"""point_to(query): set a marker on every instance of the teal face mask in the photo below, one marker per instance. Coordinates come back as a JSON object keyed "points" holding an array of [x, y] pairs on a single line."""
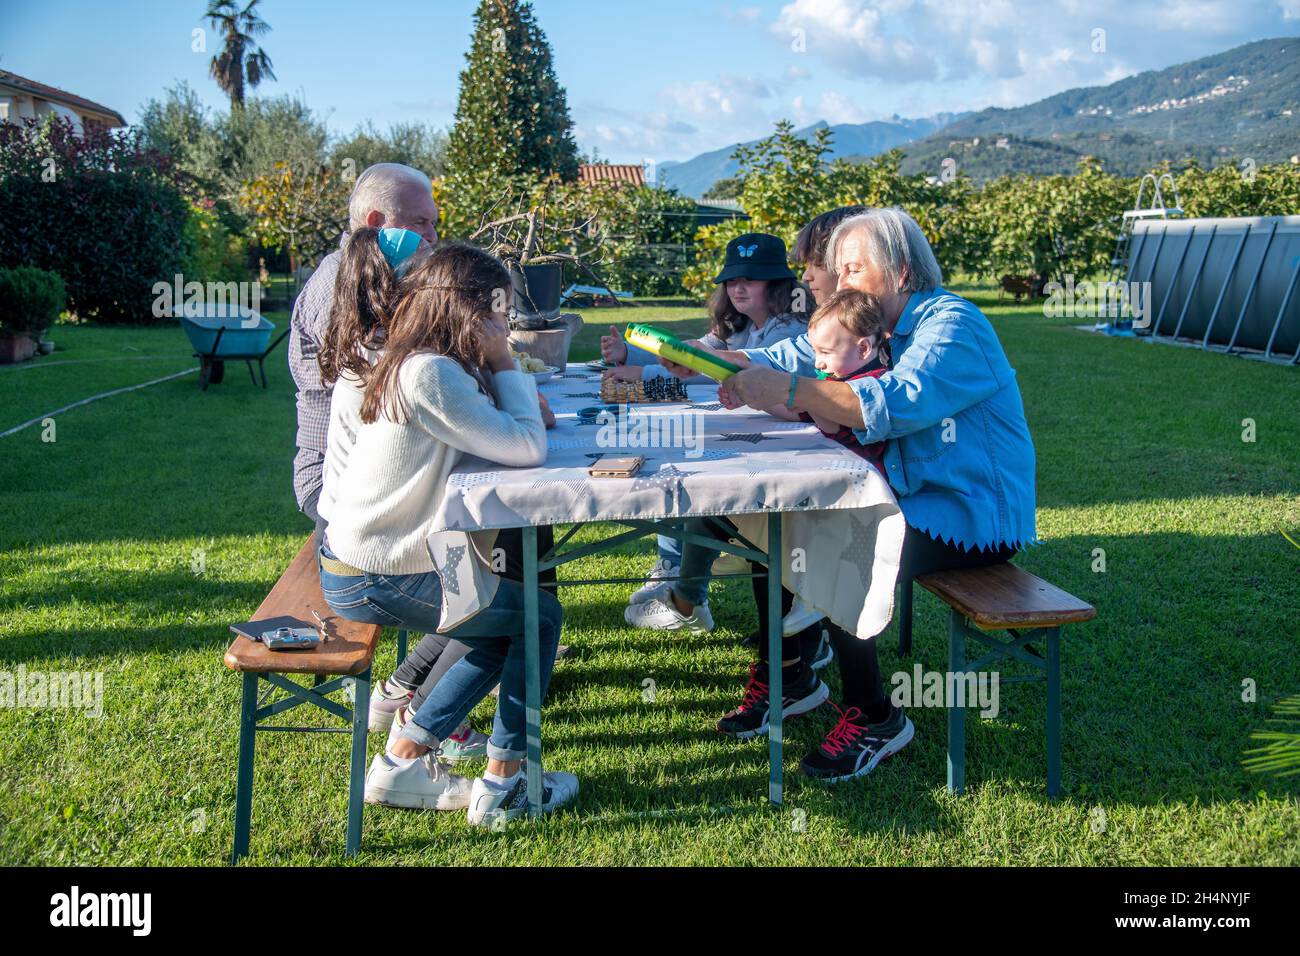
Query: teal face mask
{"points": [[398, 245]]}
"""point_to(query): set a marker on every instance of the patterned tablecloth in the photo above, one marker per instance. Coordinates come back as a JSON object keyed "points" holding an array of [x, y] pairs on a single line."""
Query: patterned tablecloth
{"points": [[841, 526]]}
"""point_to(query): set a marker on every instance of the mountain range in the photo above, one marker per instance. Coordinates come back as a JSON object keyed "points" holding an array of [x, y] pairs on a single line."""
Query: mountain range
{"points": [[694, 176], [1227, 107]]}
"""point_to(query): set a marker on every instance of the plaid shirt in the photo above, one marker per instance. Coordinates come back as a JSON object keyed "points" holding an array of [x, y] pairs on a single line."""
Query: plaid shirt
{"points": [[311, 313]]}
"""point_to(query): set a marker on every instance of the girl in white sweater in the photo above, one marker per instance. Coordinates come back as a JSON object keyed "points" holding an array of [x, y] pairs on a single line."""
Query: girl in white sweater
{"points": [[445, 385]]}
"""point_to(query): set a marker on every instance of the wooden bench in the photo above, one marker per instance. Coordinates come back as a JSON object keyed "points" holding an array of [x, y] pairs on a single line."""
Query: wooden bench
{"points": [[345, 656], [1003, 597]]}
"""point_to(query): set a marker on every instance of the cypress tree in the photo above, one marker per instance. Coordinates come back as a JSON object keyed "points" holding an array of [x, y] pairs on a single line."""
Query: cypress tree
{"points": [[512, 117]]}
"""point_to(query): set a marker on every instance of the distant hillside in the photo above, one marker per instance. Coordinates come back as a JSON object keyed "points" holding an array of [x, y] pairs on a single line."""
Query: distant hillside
{"points": [[1221, 108], [694, 176]]}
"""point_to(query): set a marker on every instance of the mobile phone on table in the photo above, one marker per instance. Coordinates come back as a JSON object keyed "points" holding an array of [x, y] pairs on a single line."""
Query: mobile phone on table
{"points": [[613, 466]]}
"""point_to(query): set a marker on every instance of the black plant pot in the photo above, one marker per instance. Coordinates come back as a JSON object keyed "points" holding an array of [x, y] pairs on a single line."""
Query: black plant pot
{"points": [[537, 289]]}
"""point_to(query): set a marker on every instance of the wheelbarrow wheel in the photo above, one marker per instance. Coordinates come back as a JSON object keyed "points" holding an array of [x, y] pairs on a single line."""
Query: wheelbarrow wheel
{"points": [[210, 371]]}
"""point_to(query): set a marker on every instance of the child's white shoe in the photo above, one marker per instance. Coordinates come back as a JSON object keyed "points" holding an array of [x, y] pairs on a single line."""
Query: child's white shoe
{"points": [[658, 614], [493, 805], [800, 618], [655, 581], [422, 784]]}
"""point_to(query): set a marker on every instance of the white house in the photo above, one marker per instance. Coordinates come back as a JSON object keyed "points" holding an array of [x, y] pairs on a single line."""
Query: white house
{"points": [[21, 98]]}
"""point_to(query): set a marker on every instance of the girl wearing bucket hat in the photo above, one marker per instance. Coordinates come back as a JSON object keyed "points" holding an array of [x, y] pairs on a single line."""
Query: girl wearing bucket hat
{"points": [[758, 302]]}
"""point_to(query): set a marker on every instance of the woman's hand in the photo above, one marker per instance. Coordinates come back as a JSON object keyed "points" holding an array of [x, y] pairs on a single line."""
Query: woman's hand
{"points": [[757, 387], [543, 406], [623, 373], [612, 347], [496, 343], [727, 397]]}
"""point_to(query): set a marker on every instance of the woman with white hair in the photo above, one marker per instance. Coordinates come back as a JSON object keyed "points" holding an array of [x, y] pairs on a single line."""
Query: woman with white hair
{"points": [[958, 453]]}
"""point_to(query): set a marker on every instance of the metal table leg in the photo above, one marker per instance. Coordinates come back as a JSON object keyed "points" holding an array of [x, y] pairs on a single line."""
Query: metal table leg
{"points": [[532, 674], [775, 560]]}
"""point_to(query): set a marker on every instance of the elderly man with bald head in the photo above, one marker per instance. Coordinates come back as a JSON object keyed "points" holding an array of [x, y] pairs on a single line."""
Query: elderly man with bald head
{"points": [[386, 194]]}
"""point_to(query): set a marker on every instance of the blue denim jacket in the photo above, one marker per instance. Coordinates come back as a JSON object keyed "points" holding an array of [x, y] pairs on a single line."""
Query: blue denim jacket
{"points": [[959, 455]]}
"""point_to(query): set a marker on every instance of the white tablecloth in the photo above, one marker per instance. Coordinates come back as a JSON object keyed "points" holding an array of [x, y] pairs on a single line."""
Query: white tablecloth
{"points": [[841, 527]]}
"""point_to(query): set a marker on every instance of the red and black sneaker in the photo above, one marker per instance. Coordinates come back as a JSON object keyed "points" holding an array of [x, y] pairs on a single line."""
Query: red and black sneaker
{"points": [[854, 747], [800, 693]]}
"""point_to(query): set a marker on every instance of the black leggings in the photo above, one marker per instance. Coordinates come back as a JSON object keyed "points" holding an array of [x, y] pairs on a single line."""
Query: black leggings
{"points": [[436, 653], [859, 660], [804, 644]]}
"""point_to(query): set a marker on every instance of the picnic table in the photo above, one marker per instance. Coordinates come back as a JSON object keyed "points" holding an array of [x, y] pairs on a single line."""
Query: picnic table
{"points": [[829, 514]]}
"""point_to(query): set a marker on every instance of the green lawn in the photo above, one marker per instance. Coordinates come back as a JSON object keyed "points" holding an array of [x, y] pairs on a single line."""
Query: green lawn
{"points": [[1140, 453]]}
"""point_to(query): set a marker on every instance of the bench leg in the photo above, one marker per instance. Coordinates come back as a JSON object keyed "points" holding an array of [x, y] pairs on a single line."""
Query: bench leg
{"points": [[905, 618], [956, 715], [244, 773], [401, 647], [357, 771], [1053, 711], [532, 675], [775, 721]]}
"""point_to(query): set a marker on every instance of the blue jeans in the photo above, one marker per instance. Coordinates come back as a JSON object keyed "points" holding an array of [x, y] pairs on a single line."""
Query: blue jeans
{"points": [[670, 550], [495, 636], [697, 561]]}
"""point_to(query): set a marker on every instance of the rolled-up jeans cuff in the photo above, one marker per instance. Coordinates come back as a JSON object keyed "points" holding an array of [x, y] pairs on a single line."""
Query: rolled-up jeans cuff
{"points": [[502, 753], [417, 734]]}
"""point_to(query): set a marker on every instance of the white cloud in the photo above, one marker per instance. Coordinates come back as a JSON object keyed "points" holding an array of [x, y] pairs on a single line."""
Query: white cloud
{"points": [[1012, 53], [728, 95]]}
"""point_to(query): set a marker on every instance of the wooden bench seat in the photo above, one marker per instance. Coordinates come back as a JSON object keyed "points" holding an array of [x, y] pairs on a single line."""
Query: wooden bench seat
{"points": [[349, 646], [345, 655], [1001, 597], [1004, 596]]}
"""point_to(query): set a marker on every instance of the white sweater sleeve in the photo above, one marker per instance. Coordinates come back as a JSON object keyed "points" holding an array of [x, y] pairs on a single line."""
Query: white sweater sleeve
{"points": [[444, 400]]}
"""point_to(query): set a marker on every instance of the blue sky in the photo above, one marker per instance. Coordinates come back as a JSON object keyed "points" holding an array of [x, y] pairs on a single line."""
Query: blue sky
{"points": [[647, 81]]}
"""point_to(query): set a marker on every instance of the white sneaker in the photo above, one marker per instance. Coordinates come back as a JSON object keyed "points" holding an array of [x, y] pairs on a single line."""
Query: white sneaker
{"points": [[799, 619], [465, 744], [424, 784], [384, 702], [493, 806], [654, 582], [658, 614]]}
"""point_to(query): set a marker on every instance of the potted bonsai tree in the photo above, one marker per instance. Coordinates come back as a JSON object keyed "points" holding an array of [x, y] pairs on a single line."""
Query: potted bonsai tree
{"points": [[30, 300], [535, 243]]}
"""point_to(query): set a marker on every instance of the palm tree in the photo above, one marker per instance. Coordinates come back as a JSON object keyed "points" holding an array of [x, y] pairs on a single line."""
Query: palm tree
{"points": [[239, 63]]}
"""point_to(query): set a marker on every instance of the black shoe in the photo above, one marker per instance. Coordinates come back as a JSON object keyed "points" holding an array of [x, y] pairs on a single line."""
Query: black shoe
{"points": [[854, 748], [800, 693]]}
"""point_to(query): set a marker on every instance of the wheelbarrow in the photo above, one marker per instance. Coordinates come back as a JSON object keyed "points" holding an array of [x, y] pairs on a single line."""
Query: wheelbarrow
{"points": [[221, 334]]}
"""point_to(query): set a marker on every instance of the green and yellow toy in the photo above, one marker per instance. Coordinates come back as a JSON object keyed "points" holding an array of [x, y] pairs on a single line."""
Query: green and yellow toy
{"points": [[665, 345]]}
